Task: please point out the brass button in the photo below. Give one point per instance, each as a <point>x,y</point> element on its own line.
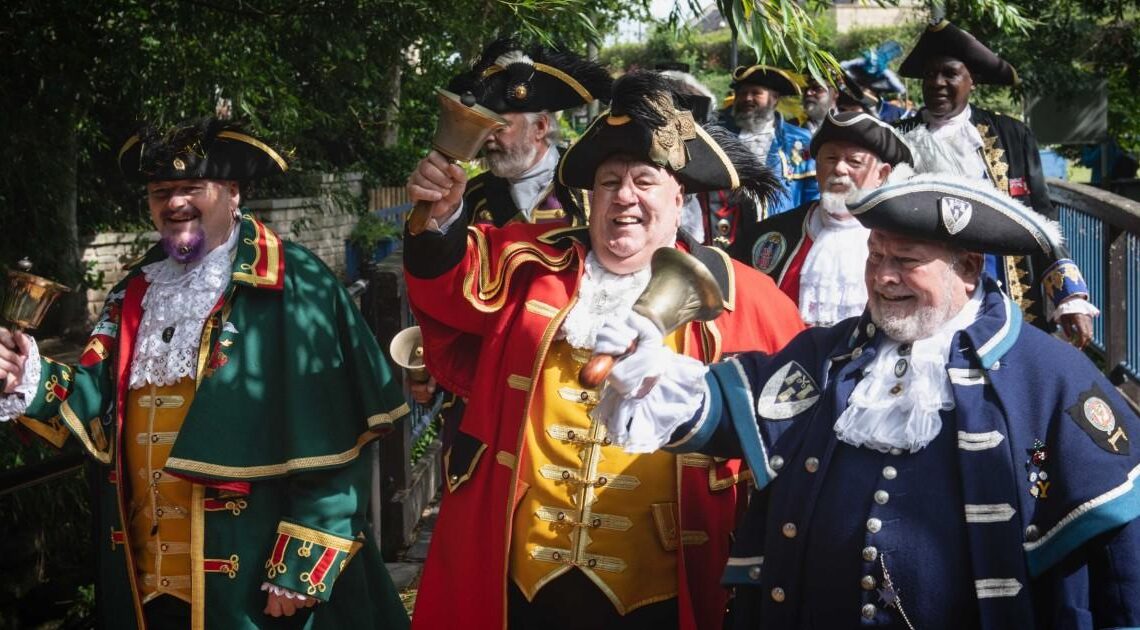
<point>158,511</point>
<point>591,563</point>
<point>157,402</point>
<point>602,481</point>
<point>153,438</point>
<point>882,496</point>
<point>870,554</point>
<point>889,472</point>
<point>754,573</point>
<point>606,441</point>
<point>570,435</point>
<point>157,475</point>
<point>874,525</point>
<point>557,555</point>
<point>164,546</point>
<point>869,611</point>
<point>867,582</point>
<point>454,479</point>
<point>597,522</point>
<point>789,530</point>
<point>584,396</point>
<point>561,516</point>
<point>811,464</point>
<point>776,462</point>
<point>565,474</point>
<point>777,594</point>
<point>165,582</point>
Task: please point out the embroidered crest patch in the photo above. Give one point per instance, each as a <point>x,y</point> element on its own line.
<point>1095,416</point>
<point>768,250</point>
<point>955,213</point>
<point>788,392</point>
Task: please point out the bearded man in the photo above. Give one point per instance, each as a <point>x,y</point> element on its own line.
<point>781,145</point>
<point>224,395</point>
<point>815,253</point>
<point>544,524</point>
<point>921,465</point>
<point>951,136</point>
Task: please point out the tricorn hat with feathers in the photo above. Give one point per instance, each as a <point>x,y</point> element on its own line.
<point>645,123</point>
<point>509,77</point>
<point>202,148</point>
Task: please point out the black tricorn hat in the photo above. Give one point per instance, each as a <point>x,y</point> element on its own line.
<point>644,122</point>
<point>960,212</point>
<point>863,130</point>
<point>509,78</point>
<point>765,76</point>
<point>946,40</point>
<point>204,148</point>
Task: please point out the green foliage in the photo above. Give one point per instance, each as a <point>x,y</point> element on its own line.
<point>370,230</point>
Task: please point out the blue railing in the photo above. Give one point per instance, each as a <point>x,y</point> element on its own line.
<point>1103,234</point>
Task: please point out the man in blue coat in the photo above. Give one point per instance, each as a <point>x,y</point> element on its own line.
<point>782,145</point>
<point>933,463</point>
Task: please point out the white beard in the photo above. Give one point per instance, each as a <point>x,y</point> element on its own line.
<point>510,162</point>
<point>755,120</point>
<point>920,324</point>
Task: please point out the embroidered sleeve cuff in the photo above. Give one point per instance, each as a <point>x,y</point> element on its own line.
<point>14,405</point>
<point>307,560</point>
<point>1061,281</point>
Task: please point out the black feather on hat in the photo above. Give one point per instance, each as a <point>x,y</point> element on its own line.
<point>644,123</point>
<point>943,39</point>
<point>203,148</point>
<point>510,78</point>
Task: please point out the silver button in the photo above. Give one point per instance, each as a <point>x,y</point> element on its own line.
<point>896,451</point>
<point>777,594</point>
<point>454,479</point>
<point>870,330</point>
<point>868,582</point>
<point>811,464</point>
<point>996,365</point>
<point>754,573</point>
<point>1032,533</point>
<point>889,472</point>
<point>789,530</point>
<point>882,496</point>
<point>857,352</point>
<point>869,611</point>
<point>870,554</point>
<point>777,462</point>
<point>874,525</point>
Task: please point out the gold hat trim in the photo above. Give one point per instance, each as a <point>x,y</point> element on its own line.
<point>241,137</point>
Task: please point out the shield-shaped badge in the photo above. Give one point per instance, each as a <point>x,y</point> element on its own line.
<point>955,213</point>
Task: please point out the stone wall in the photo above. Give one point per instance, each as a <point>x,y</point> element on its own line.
<point>319,223</point>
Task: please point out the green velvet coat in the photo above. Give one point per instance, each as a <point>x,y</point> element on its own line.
<point>291,387</point>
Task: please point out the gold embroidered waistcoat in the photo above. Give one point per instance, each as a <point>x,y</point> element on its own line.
<point>159,507</point>
<point>589,505</point>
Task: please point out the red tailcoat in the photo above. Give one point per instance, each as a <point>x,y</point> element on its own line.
<point>490,301</point>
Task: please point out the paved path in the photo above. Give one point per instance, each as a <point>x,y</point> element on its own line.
<point>406,571</point>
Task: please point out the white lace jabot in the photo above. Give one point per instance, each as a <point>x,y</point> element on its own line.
<point>602,295</point>
<point>906,386</point>
<point>175,307</point>
<point>832,287</point>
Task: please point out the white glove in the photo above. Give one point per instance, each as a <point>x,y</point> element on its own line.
<point>650,392</point>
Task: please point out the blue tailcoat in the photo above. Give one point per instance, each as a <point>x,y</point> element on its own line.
<point>1020,514</point>
<point>789,160</point>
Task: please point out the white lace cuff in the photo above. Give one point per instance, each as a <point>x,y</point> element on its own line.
<point>13,405</point>
<point>1074,306</point>
<point>278,591</point>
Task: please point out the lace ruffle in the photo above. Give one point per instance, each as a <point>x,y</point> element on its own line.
<point>832,287</point>
<point>602,295</point>
<point>14,405</point>
<point>178,300</point>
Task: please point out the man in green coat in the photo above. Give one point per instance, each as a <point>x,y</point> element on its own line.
<point>225,395</point>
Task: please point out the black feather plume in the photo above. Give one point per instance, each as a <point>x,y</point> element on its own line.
<point>755,178</point>
<point>593,76</point>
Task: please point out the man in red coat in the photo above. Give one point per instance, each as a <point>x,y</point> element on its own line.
<point>544,523</point>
